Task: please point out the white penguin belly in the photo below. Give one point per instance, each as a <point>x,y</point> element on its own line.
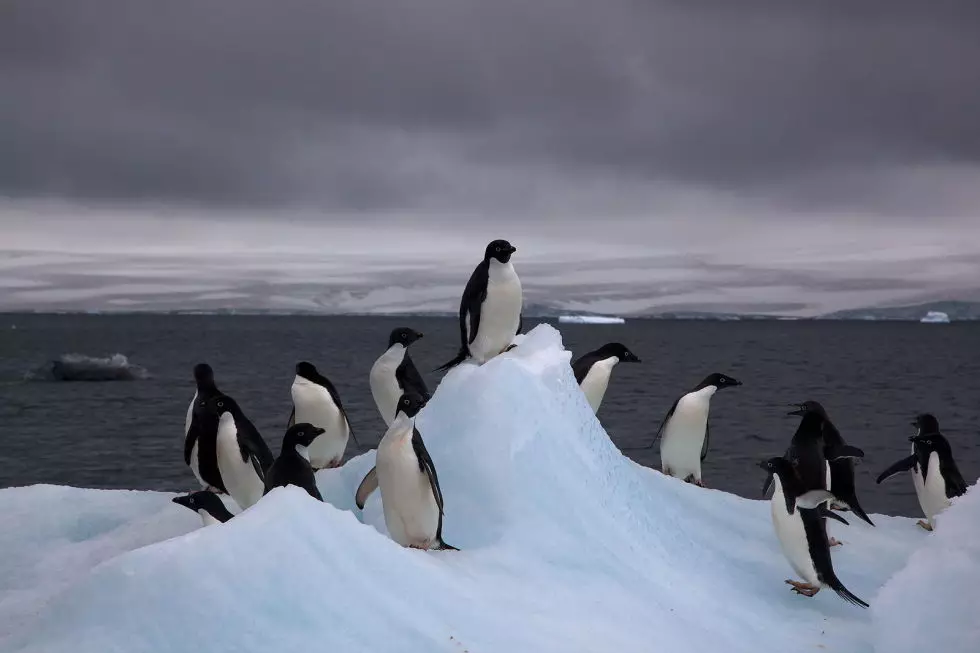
<point>313,404</point>
<point>239,476</point>
<point>933,498</point>
<point>596,381</point>
<point>384,385</point>
<point>409,505</point>
<point>680,448</point>
<point>501,312</point>
<point>207,519</point>
<point>194,464</point>
<point>792,536</point>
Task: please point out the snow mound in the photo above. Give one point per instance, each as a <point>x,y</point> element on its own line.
<point>590,319</point>
<point>566,545</point>
<point>931,604</point>
<point>79,367</point>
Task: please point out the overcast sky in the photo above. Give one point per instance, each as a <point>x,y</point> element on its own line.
<point>801,155</point>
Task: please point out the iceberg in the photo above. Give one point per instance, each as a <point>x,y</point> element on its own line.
<point>566,545</point>
<point>935,317</point>
<point>79,367</point>
<point>590,319</point>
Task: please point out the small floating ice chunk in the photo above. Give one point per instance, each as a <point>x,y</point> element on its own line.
<point>590,319</point>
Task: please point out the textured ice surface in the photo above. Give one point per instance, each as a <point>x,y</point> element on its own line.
<point>566,544</point>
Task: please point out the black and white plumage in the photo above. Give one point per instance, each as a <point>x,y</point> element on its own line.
<point>411,497</point>
<point>206,504</point>
<point>686,432</point>
<point>394,373</point>
<point>317,402</point>
<point>293,467</point>
<point>592,370</point>
<point>801,529</point>
<point>242,456</point>
<point>490,310</point>
<point>206,388</point>
<point>935,475</point>
<point>840,471</point>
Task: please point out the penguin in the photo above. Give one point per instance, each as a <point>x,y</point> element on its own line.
<point>935,475</point>
<point>840,472</point>
<point>592,370</point>
<point>394,374</point>
<point>491,309</point>
<point>411,498</point>
<point>243,457</point>
<point>293,467</point>
<point>686,431</point>
<point>316,401</point>
<point>204,378</point>
<point>206,504</point>
<point>802,531</point>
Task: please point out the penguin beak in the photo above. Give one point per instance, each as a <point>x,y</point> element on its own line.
<point>419,334</point>
<point>182,501</point>
<point>319,431</point>
<point>512,249</point>
<point>914,422</point>
<point>764,464</point>
<point>800,410</point>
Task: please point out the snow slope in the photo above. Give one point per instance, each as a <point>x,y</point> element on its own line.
<point>566,544</point>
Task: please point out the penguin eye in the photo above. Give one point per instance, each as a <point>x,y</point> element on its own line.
<point>404,336</point>
<point>496,249</point>
<point>221,404</point>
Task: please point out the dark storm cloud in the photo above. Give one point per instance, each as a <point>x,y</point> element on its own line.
<point>385,105</point>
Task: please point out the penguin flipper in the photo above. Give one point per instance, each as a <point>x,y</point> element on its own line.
<point>427,467</point>
<point>464,351</point>
<point>843,451</point>
<point>368,485</point>
<point>291,422</point>
<point>767,485</point>
<point>707,437</point>
<point>903,465</point>
<point>189,441</point>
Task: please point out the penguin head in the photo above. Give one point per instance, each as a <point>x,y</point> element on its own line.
<point>928,443</point>
<point>926,423</point>
<point>719,381</point>
<point>403,336</point>
<point>217,405</point>
<point>618,350</point>
<point>500,250</point>
<point>808,406</point>
<point>307,370</point>
<point>302,434</point>
<point>779,466</point>
<point>410,403</point>
<point>203,375</point>
<point>201,500</point>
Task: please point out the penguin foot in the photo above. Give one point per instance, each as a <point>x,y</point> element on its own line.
<point>699,483</point>
<point>923,524</point>
<point>805,589</point>
<point>835,542</point>
<point>839,507</point>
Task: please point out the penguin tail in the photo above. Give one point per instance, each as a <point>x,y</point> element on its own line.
<point>445,547</point>
<point>834,583</point>
<point>858,510</point>
<point>460,357</point>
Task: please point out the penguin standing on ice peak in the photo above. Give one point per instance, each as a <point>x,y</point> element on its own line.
<point>394,374</point>
<point>293,467</point>
<point>317,402</point>
<point>686,432</point>
<point>840,471</point>
<point>935,475</point>
<point>802,531</point>
<point>204,379</point>
<point>592,370</point>
<point>242,456</point>
<point>491,306</point>
<point>411,498</point>
<point>206,504</point>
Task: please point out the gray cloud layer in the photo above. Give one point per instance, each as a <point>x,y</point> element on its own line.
<point>868,108</point>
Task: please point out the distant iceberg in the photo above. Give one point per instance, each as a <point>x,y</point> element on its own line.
<point>590,319</point>
<point>565,545</point>
<point>79,367</point>
<point>935,317</point>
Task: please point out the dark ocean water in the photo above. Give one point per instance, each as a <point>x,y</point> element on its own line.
<point>872,378</point>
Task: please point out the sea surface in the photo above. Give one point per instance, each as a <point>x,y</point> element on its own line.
<point>873,377</point>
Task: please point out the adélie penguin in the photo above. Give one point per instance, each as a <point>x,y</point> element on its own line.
<point>935,475</point>
<point>206,504</point>
<point>490,308</point>
<point>592,370</point>
<point>206,388</point>
<point>840,471</point>
<point>411,498</point>
<point>394,374</point>
<point>243,457</point>
<point>802,531</point>
<point>293,467</point>
<point>686,431</point>
<point>317,402</point>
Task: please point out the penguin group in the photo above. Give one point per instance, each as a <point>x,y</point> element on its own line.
<point>810,481</point>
